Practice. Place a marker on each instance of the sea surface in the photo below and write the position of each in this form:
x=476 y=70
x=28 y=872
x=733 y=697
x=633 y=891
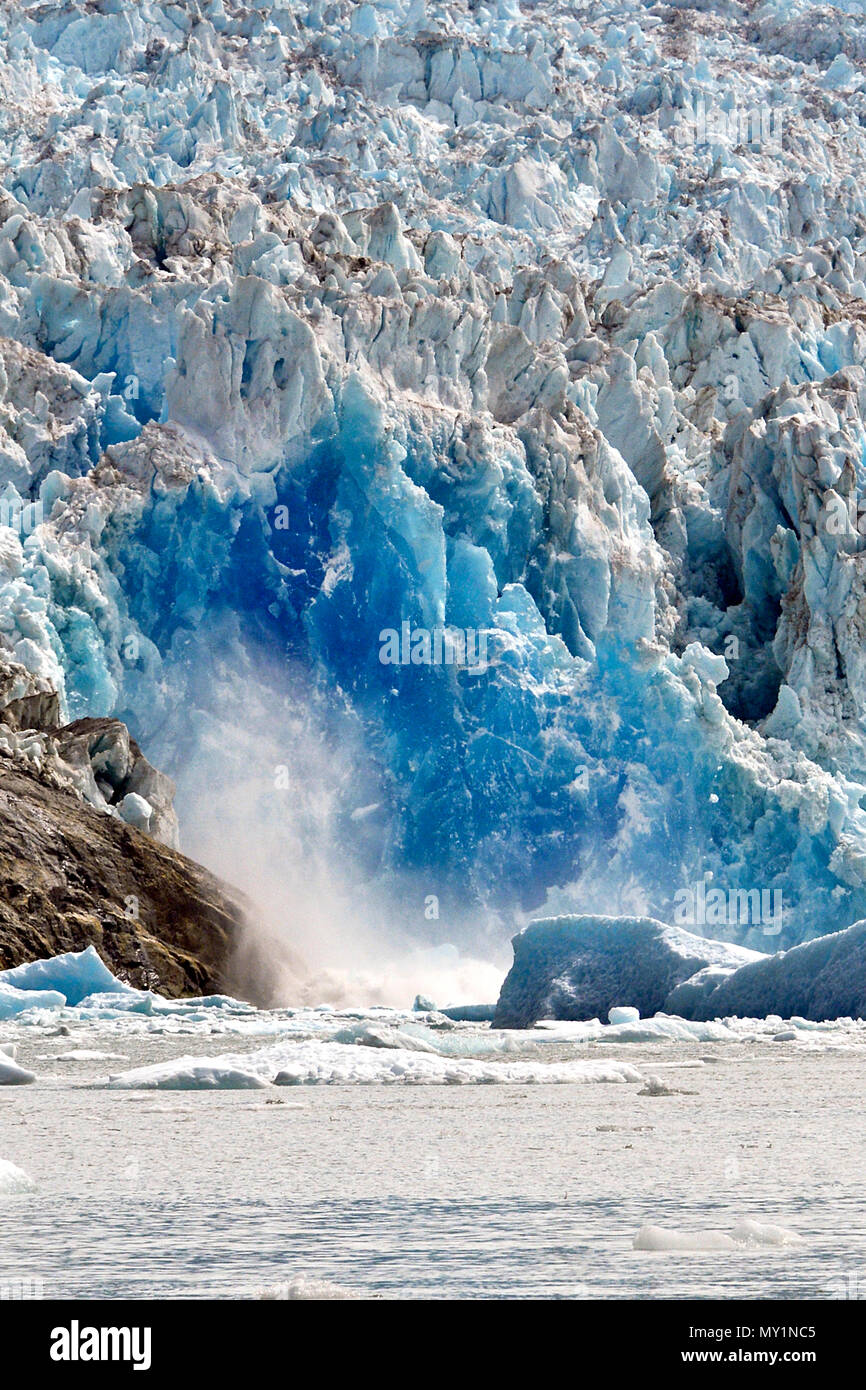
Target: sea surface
x=441 y=1191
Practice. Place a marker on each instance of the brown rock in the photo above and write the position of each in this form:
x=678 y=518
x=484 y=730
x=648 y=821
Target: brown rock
x=71 y=876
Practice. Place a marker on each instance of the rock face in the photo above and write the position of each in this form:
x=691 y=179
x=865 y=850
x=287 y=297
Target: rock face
x=73 y=872
x=72 y=877
x=96 y=758
x=822 y=979
x=581 y=967
x=116 y=770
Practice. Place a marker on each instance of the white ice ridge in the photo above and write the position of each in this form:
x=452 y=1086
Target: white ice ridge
x=11 y=1074
x=13 y=1180
x=746 y=1233
x=310 y=1063
x=543 y=324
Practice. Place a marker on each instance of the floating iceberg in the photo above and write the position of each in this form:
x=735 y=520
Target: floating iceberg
x=309 y=1063
x=18 y=1001
x=190 y=1074
x=65 y=979
x=623 y=1014
x=822 y=979
x=581 y=967
x=13 y=1180
x=304 y=1286
x=747 y=1232
x=13 y=1075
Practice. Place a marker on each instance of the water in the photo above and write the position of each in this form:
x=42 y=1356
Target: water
x=428 y=1191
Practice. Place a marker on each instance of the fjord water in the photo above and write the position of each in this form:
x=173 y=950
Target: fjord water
x=440 y=1191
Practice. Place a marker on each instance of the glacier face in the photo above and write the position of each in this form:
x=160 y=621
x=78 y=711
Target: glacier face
x=330 y=318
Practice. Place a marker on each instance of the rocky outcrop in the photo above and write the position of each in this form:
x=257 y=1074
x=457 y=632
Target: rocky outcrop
x=71 y=877
x=96 y=758
x=82 y=812
x=580 y=967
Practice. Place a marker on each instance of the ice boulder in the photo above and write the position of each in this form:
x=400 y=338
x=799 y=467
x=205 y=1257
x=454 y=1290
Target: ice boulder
x=13 y=1180
x=69 y=977
x=18 y=1001
x=623 y=1015
x=136 y=811
x=11 y=1074
x=582 y=967
x=821 y=979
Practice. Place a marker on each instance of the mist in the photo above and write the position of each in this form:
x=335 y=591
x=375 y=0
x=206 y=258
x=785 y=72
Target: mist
x=278 y=796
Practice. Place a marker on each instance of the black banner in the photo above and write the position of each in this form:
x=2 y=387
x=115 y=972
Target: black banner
x=82 y=1339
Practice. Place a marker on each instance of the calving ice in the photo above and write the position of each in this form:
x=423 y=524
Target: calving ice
x=77 y=1343
x=700 y=905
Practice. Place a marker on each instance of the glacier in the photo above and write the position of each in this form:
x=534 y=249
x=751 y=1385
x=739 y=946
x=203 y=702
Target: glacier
x=324 y=319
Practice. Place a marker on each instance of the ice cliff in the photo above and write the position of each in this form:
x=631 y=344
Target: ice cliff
x=549 y=325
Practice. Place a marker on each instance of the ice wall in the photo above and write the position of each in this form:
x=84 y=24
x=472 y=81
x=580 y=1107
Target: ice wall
x=328 y=319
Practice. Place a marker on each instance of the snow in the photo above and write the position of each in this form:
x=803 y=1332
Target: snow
x=591 y=359
x=623 y=1014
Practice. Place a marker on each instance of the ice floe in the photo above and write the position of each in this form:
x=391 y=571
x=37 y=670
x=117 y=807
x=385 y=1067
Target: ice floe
x=744 y=1234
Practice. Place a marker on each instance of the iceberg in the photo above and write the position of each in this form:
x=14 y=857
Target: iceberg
x=11 y=1074
x=190 y=1074
x=581 y=967
x=306 y=1063
x=18 y=1001
x=13 y=1180
x=820 y=980
x=305 y=1286
x=746 y=1232
x=64 y=979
